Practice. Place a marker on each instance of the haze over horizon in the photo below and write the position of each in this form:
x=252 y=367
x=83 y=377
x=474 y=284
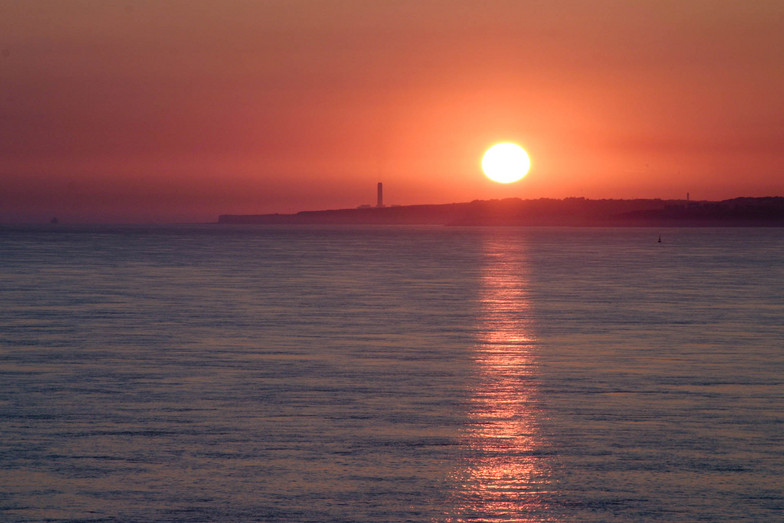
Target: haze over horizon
x=180 y=111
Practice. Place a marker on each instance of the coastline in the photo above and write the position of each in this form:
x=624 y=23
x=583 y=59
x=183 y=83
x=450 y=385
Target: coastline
x=736 y=212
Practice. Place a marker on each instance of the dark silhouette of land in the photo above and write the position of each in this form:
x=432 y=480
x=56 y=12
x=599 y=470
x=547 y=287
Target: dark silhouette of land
x=740 y=212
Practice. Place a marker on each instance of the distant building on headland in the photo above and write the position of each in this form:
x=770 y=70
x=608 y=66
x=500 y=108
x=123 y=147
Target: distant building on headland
x=379 y=198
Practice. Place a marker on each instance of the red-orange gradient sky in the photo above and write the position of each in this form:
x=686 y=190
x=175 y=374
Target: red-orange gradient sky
x=135 y=111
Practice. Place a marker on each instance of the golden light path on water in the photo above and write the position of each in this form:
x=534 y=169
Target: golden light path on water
x=504 y=478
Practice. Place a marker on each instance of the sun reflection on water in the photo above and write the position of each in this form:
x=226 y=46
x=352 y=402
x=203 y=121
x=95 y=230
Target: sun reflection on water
x=504 y=477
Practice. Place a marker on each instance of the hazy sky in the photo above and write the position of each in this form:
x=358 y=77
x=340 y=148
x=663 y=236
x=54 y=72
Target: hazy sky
x=178 y=111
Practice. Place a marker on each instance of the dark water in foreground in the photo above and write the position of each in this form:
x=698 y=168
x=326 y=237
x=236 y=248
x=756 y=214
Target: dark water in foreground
x=391 y=374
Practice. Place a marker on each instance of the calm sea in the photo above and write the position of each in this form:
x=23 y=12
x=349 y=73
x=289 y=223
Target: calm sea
x=217 y=373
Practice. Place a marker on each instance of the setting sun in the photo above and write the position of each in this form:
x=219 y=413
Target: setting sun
x=505 y=163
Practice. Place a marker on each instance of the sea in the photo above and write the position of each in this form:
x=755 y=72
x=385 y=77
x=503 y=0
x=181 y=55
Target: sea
x=391 y=374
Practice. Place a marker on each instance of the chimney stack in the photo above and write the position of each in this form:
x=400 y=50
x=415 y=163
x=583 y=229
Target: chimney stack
x=380 y=202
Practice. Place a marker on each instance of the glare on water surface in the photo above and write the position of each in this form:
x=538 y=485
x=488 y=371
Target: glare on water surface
x=504 y=477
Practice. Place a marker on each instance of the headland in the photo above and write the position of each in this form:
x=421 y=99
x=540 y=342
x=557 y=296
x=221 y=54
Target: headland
x=736 y=212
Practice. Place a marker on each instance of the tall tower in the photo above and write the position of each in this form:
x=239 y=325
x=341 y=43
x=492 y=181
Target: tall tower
x=380 y=200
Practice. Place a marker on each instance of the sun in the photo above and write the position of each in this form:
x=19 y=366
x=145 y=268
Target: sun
x=505 y=162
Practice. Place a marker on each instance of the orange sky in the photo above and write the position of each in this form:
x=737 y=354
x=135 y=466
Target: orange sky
x=133 y=111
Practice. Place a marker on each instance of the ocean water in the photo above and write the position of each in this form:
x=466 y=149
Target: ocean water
x=318 y=374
